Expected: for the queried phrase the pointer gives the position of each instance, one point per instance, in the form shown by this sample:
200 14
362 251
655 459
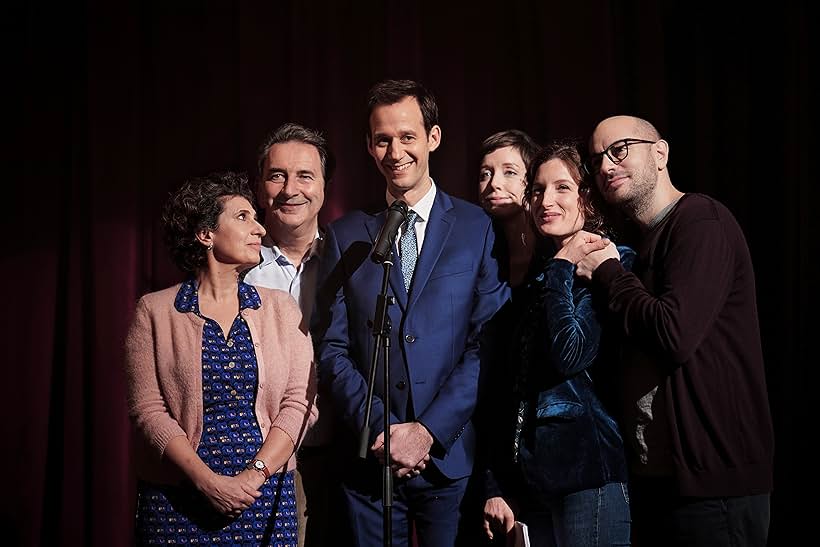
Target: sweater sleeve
146 406
691 281
297 409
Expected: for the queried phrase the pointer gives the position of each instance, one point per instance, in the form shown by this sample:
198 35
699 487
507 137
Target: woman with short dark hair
220 380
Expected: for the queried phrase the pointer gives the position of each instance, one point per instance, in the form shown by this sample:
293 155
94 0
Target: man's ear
661 154
369 142
434 138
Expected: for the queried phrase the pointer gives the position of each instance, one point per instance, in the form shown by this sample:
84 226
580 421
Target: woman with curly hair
220 381
559 466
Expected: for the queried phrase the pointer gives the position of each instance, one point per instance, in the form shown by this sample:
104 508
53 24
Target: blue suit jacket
434 357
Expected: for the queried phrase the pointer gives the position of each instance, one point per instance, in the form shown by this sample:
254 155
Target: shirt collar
272 253
187 299
424 205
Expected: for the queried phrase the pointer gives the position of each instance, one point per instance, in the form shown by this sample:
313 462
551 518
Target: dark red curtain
110 105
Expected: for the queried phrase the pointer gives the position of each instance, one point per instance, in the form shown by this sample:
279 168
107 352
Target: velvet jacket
560 437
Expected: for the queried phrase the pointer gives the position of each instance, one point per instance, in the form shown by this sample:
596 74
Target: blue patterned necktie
408 246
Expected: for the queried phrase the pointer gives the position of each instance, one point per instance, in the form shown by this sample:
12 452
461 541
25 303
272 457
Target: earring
210 247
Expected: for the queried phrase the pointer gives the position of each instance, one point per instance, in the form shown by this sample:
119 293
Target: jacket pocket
561 453
448 269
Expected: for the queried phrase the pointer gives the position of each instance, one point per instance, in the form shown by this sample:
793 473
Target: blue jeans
589 518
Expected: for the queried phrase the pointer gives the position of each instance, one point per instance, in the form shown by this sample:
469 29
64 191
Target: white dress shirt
422 209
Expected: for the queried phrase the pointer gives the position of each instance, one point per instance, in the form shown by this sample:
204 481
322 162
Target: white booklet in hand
521 537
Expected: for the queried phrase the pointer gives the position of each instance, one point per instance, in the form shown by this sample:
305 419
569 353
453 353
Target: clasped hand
232 495
409 448
587 251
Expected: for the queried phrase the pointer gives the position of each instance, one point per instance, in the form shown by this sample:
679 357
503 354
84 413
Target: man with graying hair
294 167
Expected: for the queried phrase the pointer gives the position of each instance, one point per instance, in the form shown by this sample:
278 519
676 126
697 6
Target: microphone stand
381 332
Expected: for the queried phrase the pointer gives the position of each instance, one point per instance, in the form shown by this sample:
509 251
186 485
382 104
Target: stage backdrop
113 104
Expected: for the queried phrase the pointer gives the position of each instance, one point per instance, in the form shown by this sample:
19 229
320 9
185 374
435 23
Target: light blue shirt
275 271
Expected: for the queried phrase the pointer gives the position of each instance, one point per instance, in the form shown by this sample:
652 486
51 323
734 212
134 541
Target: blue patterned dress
231 438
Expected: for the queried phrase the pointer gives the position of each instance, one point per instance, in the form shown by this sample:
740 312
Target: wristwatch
259 465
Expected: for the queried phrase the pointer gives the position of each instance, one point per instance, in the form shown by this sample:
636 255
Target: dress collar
187 299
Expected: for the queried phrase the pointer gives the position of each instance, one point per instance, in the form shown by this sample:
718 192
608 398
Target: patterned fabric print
231 437
408 243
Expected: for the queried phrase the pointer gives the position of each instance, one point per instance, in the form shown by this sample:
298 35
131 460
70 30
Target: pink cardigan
164 373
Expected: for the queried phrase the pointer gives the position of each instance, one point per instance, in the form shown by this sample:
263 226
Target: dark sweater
689 309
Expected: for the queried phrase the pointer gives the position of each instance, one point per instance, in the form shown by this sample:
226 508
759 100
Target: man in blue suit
446 286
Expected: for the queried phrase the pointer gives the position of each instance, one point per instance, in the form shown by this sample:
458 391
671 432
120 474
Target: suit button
401 384
409 338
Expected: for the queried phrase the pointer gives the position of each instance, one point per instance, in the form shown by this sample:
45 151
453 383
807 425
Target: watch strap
259 465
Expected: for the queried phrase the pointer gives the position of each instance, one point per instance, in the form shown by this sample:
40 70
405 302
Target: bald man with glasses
696 414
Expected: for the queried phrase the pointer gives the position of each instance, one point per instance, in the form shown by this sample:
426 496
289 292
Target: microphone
396 216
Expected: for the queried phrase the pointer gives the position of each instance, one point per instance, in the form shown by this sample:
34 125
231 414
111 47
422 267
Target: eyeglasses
617 152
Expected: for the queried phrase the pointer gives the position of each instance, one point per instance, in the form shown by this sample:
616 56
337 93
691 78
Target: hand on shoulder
585 267
580 245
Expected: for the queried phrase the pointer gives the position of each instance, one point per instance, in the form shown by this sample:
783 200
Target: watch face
259 464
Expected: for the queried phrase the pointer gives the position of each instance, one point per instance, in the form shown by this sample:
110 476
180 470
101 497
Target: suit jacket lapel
395 279
436 233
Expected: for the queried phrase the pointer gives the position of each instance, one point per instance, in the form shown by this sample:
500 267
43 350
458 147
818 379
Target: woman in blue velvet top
561 468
